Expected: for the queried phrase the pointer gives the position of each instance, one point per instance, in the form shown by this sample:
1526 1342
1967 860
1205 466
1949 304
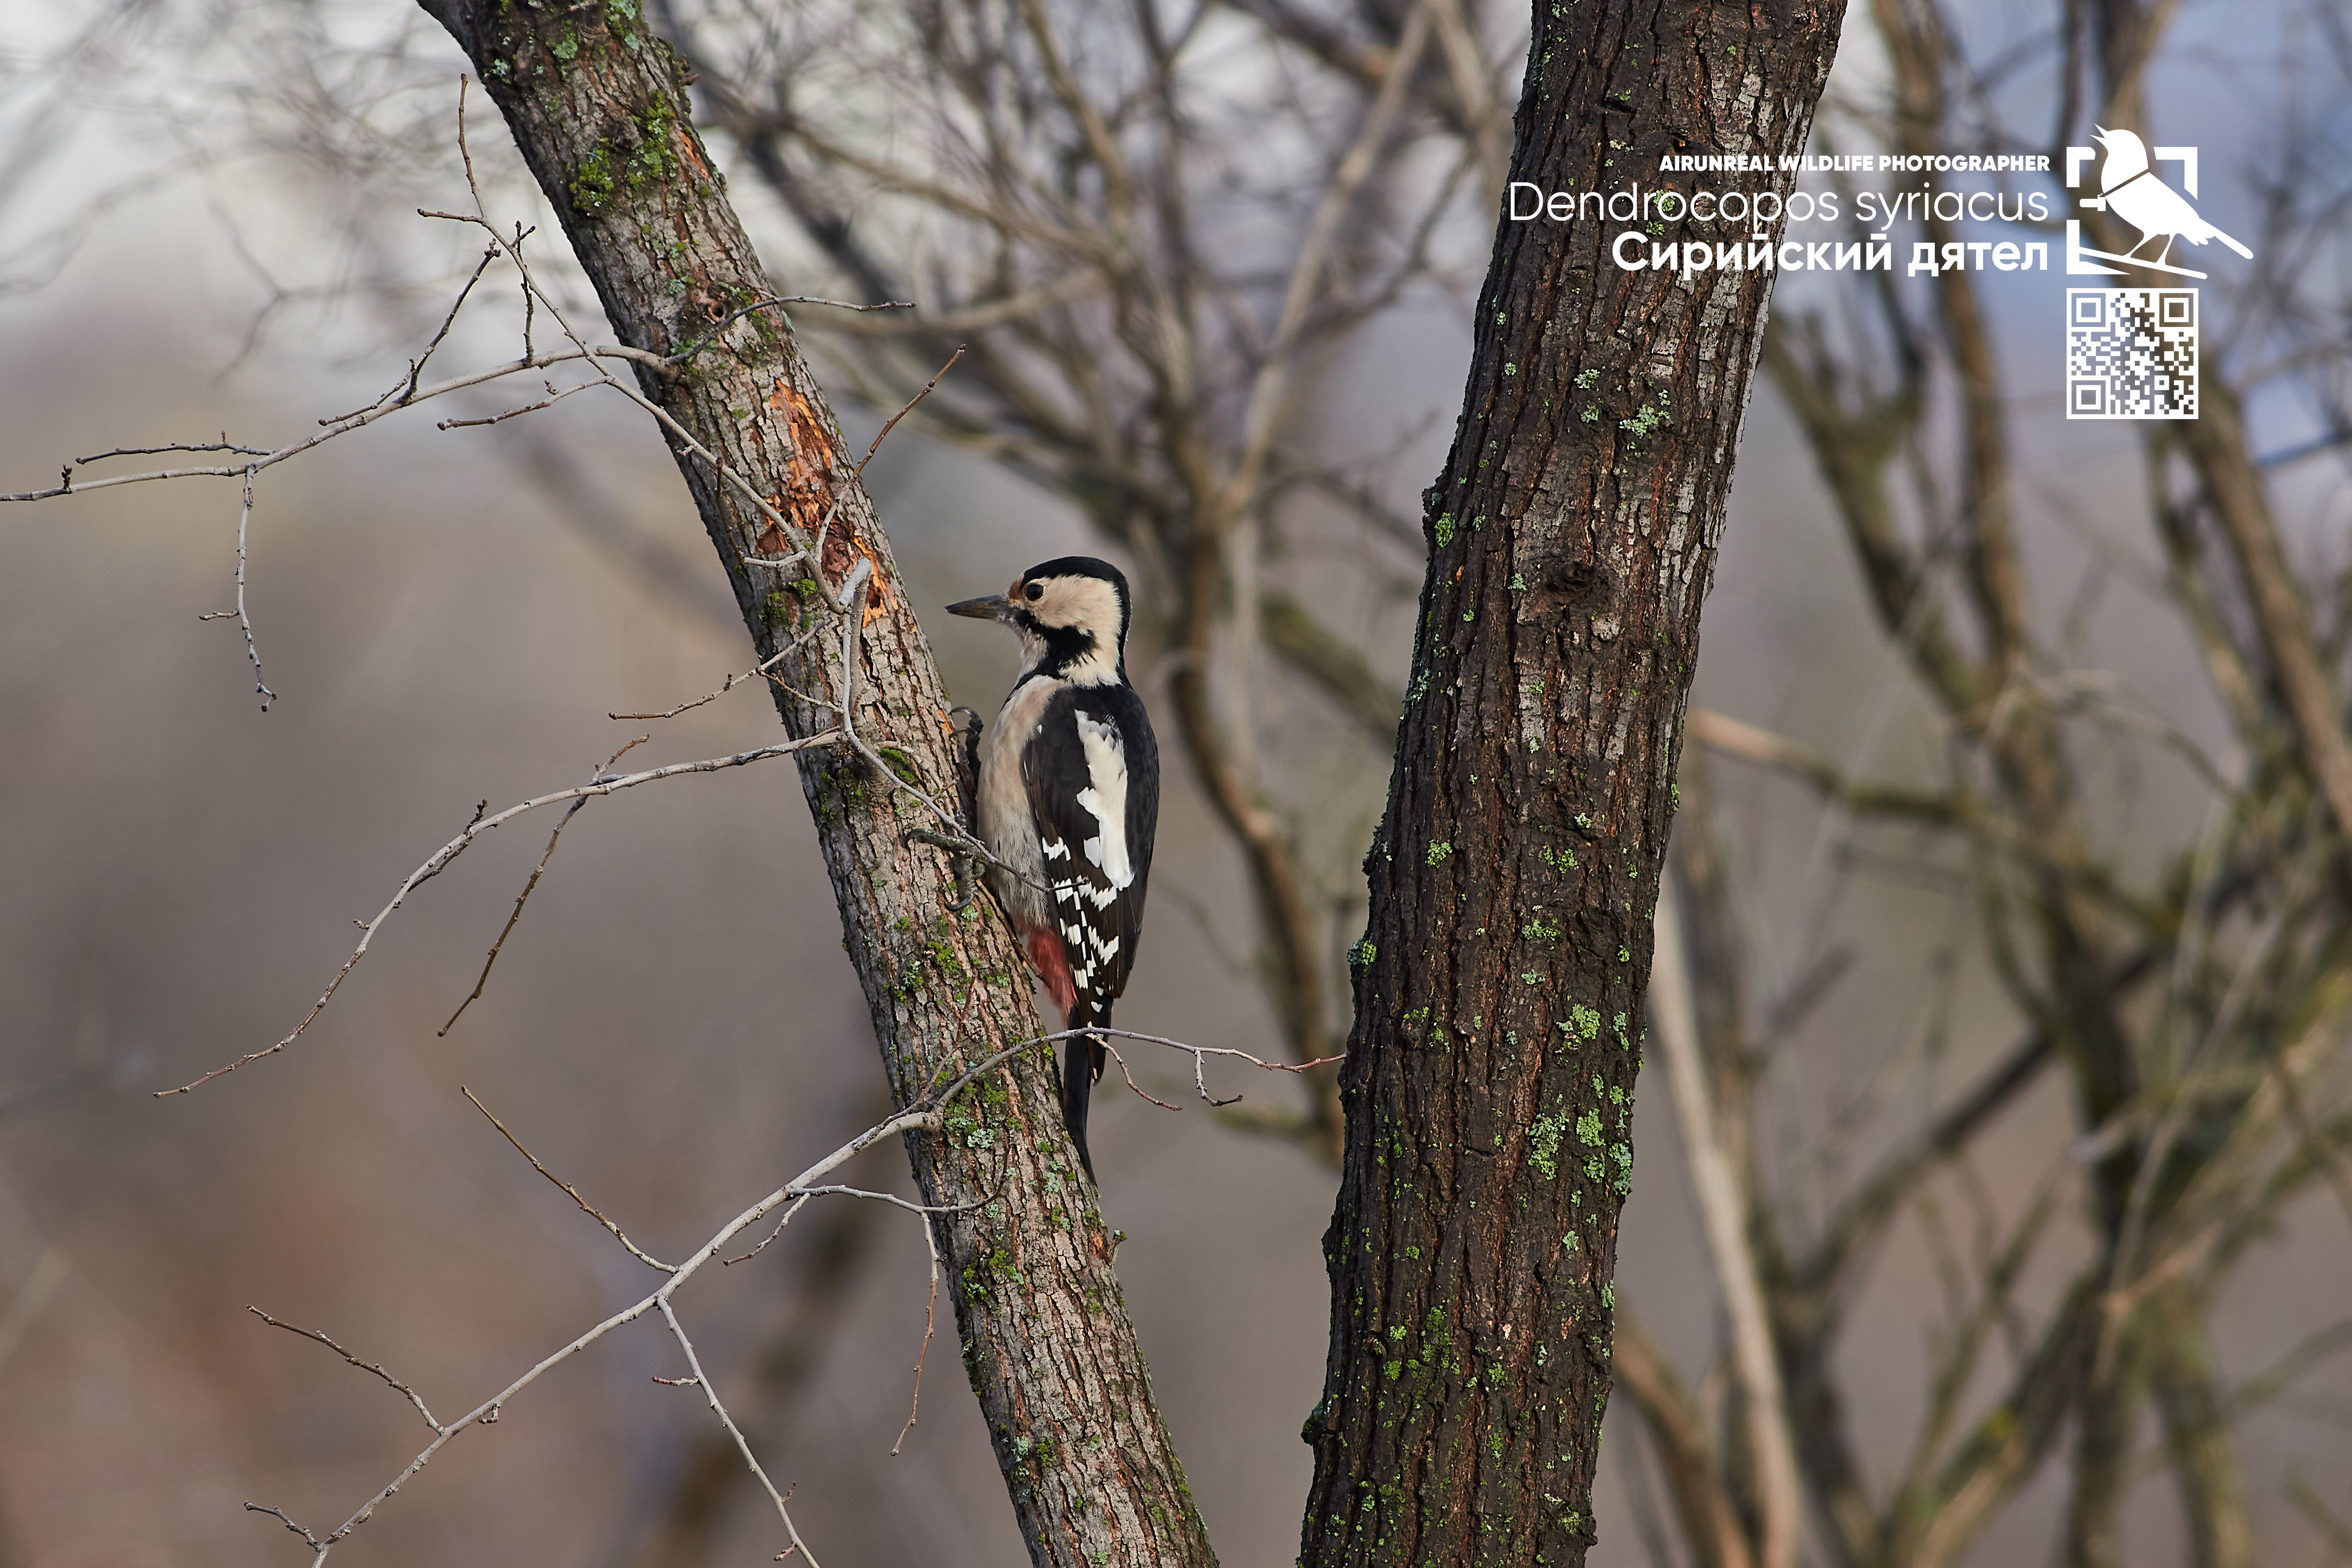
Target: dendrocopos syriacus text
1070 797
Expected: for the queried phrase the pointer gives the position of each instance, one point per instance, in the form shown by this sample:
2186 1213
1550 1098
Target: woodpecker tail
1083 1057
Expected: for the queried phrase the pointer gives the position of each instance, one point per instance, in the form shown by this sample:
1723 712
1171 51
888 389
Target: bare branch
223 444
1736 738
1723 1217
2332 1528
927 1114
524 897
590 1209
2216 442
720 326
1710 1523
1197 1052
474 830
903 412
1270 385
366 1366
702 1379
417 366
930 1317
244 517
280 1514
391 404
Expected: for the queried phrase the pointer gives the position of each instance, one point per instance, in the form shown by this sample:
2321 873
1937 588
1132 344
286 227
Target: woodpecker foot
963 728
964 732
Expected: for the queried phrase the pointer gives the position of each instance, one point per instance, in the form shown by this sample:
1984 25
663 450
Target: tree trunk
1498 989
598 107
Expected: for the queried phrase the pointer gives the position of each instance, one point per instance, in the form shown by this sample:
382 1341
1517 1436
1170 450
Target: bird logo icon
2130 188
2131 348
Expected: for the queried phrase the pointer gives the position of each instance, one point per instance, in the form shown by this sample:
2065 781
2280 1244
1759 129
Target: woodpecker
1069 798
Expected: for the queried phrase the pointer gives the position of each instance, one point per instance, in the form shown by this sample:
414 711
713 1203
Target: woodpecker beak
993 607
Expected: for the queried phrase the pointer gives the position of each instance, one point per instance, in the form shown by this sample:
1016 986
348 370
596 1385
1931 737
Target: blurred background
207 232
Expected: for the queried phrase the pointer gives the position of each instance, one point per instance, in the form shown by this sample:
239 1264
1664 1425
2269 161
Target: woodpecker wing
1093 774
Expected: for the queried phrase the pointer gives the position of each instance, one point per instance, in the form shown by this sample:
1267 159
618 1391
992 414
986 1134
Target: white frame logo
2133 352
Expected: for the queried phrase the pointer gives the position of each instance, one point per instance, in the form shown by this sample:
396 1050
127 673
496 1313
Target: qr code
2131 353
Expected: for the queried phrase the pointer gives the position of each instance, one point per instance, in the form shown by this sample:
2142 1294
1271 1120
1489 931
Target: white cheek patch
1105 796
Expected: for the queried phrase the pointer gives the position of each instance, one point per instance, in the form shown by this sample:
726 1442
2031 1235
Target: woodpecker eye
1034 592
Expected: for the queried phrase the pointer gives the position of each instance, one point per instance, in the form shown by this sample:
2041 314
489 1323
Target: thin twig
550 400
524 896
1196 1052
390 403
1146 1093
859 471
640 1254
244 517
801 1195
417 366
521 899
782 1220
742 1444
761 670
930 1315
892 1199
725 686
926 1116
280 1516
736 315
459 845
367 1366
223 444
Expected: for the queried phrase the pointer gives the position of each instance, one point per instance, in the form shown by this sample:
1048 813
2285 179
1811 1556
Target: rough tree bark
598 107
1499 988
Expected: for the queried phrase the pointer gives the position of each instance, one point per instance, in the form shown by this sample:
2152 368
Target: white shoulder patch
1105 796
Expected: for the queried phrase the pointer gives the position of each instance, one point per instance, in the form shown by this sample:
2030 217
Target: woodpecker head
1072 616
